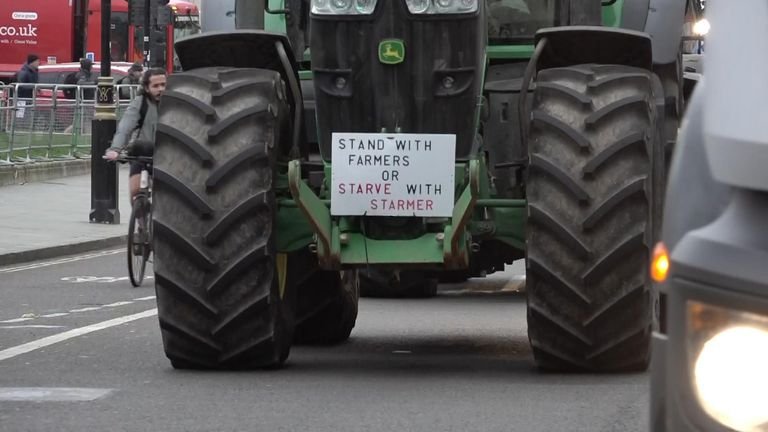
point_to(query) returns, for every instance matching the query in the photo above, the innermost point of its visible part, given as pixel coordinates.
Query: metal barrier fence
(54, 124)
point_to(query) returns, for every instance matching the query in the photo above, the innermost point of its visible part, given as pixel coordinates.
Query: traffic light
(158, 48)
(161, 13)
(136, 11)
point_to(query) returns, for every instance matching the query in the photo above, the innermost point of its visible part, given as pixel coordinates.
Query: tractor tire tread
(592, 216)
(219, 303)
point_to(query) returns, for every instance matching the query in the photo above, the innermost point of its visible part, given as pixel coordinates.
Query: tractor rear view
(414, 137)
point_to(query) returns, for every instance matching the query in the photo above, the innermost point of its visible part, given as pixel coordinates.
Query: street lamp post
(104, 180)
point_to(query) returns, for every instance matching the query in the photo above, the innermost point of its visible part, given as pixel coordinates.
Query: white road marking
(31, 326)
(98, 279)
(50, 340)
(55, 315)
(85, 309)
(61, 261)
(43, 394)
(16, 320)
(30, 316)
(120, 303)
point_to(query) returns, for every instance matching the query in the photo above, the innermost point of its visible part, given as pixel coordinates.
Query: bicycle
(140, 223)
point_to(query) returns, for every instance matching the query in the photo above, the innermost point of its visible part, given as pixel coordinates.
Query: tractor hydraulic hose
(295, 89)
(529, 71)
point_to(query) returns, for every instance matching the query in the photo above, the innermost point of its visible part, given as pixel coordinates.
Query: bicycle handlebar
(124, 158)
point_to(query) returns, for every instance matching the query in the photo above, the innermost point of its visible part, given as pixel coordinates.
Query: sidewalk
(48, 219)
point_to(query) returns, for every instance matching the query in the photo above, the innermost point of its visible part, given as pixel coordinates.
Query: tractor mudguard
(574, 45)
(249, 49)
(664, 27)
(240, 48)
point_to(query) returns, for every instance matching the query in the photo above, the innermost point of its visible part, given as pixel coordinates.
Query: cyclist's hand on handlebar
(111, 155)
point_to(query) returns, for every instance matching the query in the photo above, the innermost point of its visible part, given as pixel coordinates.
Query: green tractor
(326, 140)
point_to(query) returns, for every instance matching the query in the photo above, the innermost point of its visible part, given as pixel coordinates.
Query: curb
(17, 174)
(57, 251)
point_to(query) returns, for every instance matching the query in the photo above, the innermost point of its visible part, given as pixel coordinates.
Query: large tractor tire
(596, 152)
(221, 303)
(382, 283)
(327, 307)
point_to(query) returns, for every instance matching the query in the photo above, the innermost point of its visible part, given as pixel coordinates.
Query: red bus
(126, 40)
(62, 31)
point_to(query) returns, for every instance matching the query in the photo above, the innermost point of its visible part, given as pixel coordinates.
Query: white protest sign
(379, 174)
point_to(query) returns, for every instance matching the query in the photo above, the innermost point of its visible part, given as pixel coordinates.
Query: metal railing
(52, 121)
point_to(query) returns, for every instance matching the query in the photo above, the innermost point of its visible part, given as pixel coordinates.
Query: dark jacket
(125, 92)
(27, 75)
(87, 78)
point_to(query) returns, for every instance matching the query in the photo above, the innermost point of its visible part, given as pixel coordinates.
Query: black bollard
(104, 180)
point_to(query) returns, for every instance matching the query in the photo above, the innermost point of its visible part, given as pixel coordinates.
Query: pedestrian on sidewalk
(28, 74)
(133, 78)
(86, 77)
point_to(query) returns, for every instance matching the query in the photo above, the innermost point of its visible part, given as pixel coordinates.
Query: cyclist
(139, 123)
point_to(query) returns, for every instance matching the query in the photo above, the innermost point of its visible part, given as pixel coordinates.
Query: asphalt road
(80, 350)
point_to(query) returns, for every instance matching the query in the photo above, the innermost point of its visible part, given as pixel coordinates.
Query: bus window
(119, 37)
(185, 25)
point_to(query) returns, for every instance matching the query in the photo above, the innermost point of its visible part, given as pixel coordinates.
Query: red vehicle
(62, 31)
(61, 109)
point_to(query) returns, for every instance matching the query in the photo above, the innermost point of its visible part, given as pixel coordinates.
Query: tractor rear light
(660, 263)
(432, 7)
(343, 7)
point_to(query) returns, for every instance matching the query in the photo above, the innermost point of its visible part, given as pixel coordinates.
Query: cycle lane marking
(70, 334)
(60, 261)
(72, 311)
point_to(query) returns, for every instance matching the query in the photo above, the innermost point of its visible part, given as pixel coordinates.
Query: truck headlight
(431, 7)
(728, 351)
(343, 7)
(702, 27)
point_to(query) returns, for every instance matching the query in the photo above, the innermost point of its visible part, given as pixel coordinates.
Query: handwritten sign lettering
(392, 174)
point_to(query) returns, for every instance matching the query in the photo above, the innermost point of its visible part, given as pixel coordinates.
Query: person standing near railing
(133, 78)
(86, 77)
(28, 74)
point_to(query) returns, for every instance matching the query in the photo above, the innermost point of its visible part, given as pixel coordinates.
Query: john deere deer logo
(391, 51)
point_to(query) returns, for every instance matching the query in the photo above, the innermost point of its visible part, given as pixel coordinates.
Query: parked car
(60, 111)
(58, 73)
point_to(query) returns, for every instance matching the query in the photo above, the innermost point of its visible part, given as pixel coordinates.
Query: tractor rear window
(516, 21)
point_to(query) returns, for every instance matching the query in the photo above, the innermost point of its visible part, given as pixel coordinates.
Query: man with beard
(139, 123)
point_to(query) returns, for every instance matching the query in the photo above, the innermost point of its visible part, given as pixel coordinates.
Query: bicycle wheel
(137, 241)
(147, 229)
